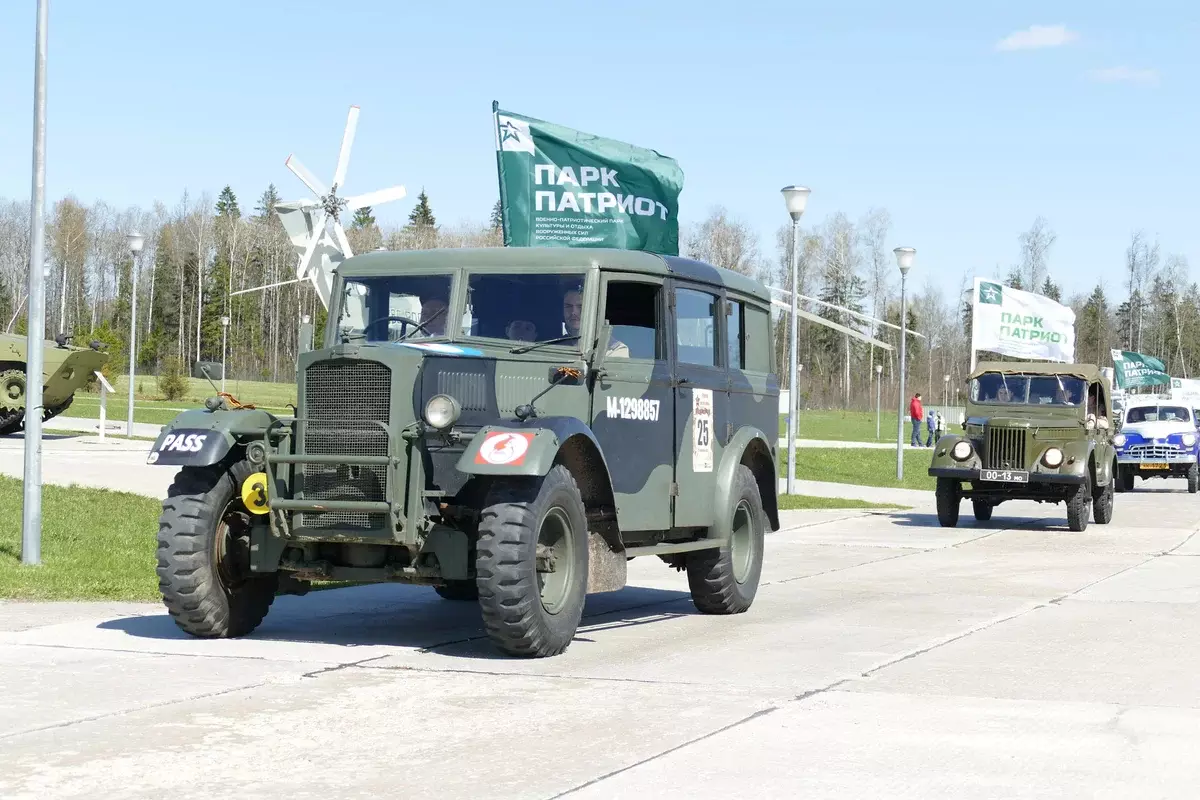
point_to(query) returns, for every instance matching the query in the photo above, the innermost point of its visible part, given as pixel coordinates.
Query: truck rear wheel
(204, 555)
(982, 509)
(1102, 503)
(725, 580)
(531, 564)
(1126, 478)
(1193, 476)
(949, 497)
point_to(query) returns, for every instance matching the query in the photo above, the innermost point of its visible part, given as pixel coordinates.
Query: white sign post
(105, 388)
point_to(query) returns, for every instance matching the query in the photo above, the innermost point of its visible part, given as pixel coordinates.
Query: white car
(1158, 439)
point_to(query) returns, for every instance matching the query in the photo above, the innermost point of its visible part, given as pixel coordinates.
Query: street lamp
(135, 241)
(224, 331)
(945, 388)
(878, 397)
(795, 198)
(904, 258)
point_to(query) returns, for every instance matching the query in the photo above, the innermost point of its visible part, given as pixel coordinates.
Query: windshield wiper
(535, 345)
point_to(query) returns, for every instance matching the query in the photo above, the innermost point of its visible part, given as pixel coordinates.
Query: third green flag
(561, 187)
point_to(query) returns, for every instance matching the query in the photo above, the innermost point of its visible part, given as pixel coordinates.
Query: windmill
(308, 222)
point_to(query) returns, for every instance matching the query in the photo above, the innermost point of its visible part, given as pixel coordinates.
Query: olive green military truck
(65, 369)
(1033, 431)
(507, 425)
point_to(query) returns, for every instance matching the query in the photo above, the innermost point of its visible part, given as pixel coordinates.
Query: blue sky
(1089, 118)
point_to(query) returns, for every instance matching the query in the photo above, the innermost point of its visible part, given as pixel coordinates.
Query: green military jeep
(1033, 431)
(509, 426)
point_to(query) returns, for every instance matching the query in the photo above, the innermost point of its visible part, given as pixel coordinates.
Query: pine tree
(497, 218)
(227, 204)
(363, 218)
(1052, 290)
(422, 214)
(267, 202)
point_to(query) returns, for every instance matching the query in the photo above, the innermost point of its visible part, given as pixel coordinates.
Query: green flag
(560, 187)
(1136, 369)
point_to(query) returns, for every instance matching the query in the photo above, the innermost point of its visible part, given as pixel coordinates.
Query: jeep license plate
(1155, 466)
(1004, 475)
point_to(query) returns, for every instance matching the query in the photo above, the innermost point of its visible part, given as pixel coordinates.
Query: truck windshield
(524, 307)
(1158, 414)
(388, 308)
(1036, 390)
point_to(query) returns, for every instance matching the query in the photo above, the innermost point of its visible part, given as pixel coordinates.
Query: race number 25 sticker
(504, 448)
(702, 430)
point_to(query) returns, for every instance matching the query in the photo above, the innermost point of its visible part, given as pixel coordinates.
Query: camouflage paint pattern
(65, 369)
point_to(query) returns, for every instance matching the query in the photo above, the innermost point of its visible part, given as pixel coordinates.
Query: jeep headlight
(1189, 440)
(1119, 440)
(1053, 457)
(442, 411)
(961, 451)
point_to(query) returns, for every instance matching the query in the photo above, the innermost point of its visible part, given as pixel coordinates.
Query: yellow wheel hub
(254, 493)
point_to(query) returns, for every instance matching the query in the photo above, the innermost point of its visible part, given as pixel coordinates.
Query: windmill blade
(375, 198)
(340, 233)
(317, 233)
(309, 180)
(339, 175)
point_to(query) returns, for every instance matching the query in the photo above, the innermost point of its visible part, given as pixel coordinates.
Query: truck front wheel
(949, 497)
(1193, 478)
(531, 564)
(204, 555)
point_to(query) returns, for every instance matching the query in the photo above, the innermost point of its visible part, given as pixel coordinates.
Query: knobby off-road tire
(458, 590)
(529, 613)
(1193, 478)
(1102, 503)
(1127, 479)
(204, 555)
(949, 496)
(982, 509)
(725, 580)
(1079, 506)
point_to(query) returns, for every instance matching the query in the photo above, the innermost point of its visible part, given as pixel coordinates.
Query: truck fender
(201, 438)
(523, 448)
(762, 463)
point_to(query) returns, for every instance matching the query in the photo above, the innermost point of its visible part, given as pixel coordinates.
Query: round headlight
(1189, 440)
(442, 411)
(1053, 458)
(1119, 440)
(961, 451)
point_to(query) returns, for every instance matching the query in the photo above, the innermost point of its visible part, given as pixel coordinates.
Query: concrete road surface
(884, 657)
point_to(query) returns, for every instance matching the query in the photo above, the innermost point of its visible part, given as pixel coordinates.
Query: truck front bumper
(1035, 478)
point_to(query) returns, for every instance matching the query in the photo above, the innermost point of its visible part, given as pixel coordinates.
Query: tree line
(202, 250)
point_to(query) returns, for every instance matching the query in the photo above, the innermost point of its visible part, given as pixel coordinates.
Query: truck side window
(757, 348)
(632, 310)
(736, 333)
(695, 326)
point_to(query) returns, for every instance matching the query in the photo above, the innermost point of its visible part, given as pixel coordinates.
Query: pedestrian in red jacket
(917, 413)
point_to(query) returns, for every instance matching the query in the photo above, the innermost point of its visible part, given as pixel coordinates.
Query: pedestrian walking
(930, 424)
(917, 412)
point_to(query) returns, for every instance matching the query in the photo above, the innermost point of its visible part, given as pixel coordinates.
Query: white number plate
(1004, 475)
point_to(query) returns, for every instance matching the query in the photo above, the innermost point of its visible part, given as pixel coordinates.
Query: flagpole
(500, 171)
(974, 322)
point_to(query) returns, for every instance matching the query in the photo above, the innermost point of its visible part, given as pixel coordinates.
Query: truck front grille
(1154, 452)
(1005, 449)
(343, 401)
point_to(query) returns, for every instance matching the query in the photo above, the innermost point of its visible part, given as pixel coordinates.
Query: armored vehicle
(65, 369)
(509, 426)
(1033, 431)
(1157, 438)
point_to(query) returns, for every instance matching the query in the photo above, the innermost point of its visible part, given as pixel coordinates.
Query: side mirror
(596, 359)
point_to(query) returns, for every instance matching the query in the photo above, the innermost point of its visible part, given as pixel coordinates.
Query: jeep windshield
(524, 307)
(392, 307)
(997, 388)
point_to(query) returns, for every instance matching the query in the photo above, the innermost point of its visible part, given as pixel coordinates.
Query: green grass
(848, 426)
(861, 466)
(150, 407)
(801, 502)
(96, 545)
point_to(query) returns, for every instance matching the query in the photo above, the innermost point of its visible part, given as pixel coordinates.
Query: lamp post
(878, 398)
(224, 331)
(795, 198)
(135, 241)
(945, 388)
(904, 258)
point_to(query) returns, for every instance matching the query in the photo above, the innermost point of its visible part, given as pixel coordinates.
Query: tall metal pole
(31, 508)
(132, 336)
(900, 416)
(878, 399)
(792, 367)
